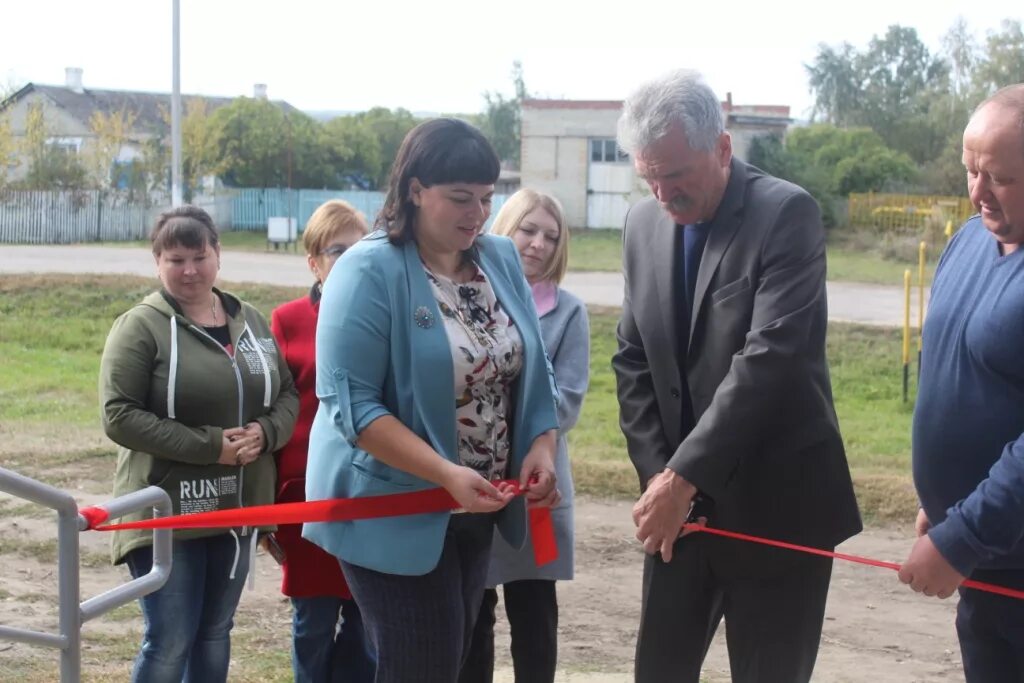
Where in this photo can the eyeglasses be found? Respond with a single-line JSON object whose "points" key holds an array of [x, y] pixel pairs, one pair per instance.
{"points": [[334, 251]]}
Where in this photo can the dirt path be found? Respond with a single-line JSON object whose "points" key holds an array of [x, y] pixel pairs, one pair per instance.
{"points": [[876, 631]]}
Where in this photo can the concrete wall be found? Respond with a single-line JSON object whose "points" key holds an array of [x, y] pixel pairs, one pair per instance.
{"points": [[555, 153], [743, 135]]}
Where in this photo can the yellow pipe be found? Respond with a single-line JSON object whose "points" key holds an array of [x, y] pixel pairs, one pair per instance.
{"points": [[906, 316], [922, 255]]}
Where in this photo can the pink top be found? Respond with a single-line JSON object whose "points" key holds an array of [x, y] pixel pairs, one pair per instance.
{"points": [[545, 296]]}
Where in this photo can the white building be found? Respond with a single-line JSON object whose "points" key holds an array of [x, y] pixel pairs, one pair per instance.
{"points": [[569, 151]]}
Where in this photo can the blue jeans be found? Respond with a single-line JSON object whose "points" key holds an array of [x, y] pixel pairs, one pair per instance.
{"points": [[324, 651], [189, 620]]}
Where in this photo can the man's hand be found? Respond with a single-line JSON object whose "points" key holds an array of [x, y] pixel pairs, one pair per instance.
{"points": [[921, 524], [927, 571], [661, 511]]}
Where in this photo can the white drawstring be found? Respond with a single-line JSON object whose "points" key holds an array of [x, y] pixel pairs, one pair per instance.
{"points": [[238, 552], [172, 373], [252, 559]]}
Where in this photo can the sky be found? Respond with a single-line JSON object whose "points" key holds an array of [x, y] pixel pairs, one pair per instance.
{"points": [[442, 55]]}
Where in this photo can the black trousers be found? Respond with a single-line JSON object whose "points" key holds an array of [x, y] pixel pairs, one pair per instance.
{"points": [[421, 626], [991, 630], [773, 602], [532, 610]]}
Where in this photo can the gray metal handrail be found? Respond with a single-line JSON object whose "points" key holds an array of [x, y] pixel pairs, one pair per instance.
{"points": [[71, 614]]}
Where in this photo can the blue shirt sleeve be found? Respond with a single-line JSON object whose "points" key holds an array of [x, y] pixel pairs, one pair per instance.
{"points": [[353, 344]]}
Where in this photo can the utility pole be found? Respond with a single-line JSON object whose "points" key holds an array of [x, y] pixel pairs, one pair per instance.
{"points": [[176, 193]]}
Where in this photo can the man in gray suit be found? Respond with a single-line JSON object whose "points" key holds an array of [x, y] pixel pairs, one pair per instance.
{"points": [[724, 396]]}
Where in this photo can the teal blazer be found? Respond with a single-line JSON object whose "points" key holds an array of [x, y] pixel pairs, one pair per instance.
{"points": [[381, 349]]}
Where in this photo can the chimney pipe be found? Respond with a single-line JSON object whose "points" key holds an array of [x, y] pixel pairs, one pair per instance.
{"points": [[73, 79]]}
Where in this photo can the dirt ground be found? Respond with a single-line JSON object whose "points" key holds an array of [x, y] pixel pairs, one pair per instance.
{"points": [[876, 631]]}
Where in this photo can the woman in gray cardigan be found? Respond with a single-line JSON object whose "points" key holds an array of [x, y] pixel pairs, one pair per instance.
{"points": [[535, 223]]}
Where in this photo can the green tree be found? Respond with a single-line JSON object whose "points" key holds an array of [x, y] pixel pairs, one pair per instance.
{"points": [[835, 81], [831, 162], [258, 144], [501, 118], [768, 154], [110, 132], [198, 159], [891, 86], [1002, 63], [8, 149], [390, 128], [50, 166], [960, 50], [353, 152]]}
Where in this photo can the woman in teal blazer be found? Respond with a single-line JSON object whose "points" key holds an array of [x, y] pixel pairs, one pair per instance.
{"points": [[431, 372]]}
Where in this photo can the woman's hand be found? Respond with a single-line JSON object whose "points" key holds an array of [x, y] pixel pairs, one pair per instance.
{"points": [[537, 475], [238, 447], [256, 429], [473, 492]]}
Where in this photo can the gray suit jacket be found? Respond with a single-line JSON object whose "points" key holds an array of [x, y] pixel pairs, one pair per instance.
{"points": [[766, 446]]}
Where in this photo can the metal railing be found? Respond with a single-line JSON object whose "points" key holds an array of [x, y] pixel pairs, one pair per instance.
{"points": [[71, 614]]}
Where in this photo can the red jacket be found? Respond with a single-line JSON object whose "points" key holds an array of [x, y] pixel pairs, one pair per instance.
{"points": [[308, 570]]}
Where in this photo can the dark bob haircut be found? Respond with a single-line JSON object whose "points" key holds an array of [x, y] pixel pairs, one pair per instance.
{"points": [[436, 152], [185, 226]]}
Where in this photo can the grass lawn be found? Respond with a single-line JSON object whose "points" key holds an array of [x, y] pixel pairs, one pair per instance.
{"points": [[55, 326], [849, 260], [596, 250], [847, 264], [240, 240]]}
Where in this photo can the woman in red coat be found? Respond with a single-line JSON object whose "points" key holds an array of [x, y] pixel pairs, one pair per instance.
{"points": [[321, 652]]}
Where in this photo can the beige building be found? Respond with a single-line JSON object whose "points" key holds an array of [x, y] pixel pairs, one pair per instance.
{"points": [[67, 111], [569, 151]]}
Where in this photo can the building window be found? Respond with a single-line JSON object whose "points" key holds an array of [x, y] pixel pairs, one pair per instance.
{"points": [[69, 146], [606, 150]]}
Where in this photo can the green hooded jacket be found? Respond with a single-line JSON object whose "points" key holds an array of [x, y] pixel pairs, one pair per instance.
{"points": [[167, 392]]}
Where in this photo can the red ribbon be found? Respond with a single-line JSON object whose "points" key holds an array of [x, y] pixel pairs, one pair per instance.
{"points": [[542, 530], [968, 583]]}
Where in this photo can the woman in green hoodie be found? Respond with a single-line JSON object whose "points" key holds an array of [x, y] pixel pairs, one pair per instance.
{"points": [[196, 393]]}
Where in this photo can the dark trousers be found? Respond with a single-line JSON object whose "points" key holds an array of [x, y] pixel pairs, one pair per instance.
{"points": [[420, 626], [773, 602], [532, 610], [991, 630]]}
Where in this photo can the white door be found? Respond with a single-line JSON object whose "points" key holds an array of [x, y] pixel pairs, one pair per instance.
{"points": [[609, 183]]}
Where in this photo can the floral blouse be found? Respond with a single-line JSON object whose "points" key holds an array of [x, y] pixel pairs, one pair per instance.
{"points": [[487, 356]]}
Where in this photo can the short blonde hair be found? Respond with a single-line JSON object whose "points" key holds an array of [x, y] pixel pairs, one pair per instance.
{"points": [[332, 218], [515, 209]]}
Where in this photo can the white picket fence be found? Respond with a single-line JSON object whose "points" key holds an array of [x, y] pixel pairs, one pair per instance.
{"points": [[70, 216], [89, 216]]}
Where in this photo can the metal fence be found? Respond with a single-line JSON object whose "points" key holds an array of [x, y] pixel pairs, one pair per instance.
{"points": [[67, 217], [63, 217], [251, 207], [907, 213], [72, 614]]}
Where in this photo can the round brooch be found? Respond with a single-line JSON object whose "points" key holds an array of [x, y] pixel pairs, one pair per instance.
{"points": [[424, 317]]}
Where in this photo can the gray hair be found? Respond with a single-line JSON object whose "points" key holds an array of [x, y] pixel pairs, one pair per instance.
{"points": [[679, 97]]}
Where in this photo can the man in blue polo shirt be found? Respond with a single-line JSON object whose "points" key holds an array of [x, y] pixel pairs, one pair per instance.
{"points": [[968, 437]]}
